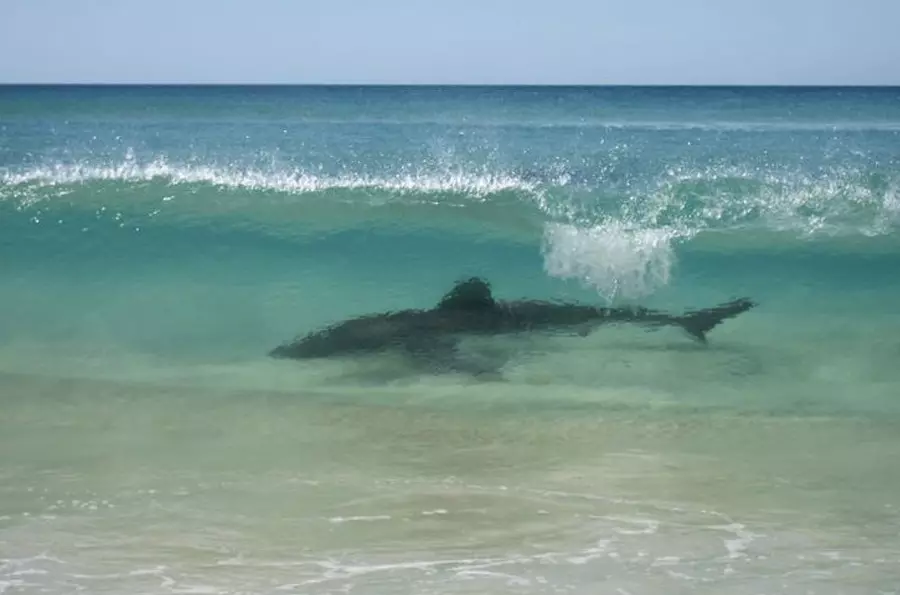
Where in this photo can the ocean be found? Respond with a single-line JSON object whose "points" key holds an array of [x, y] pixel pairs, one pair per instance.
{"points": [[157, 242]]}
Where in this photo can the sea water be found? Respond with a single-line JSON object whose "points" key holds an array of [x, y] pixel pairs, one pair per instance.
{"points": [[157, 242]]}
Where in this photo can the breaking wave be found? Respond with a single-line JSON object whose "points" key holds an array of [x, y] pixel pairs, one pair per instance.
{"points": [[620, 239]]}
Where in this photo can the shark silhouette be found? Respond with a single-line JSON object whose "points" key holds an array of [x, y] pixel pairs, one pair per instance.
{"points": [[469, 308]]}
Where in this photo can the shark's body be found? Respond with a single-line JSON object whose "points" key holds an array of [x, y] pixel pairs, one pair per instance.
{"points": [[470, 309]]}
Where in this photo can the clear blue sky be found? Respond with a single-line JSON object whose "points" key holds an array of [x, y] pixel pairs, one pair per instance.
{"points": [[459, 41]]}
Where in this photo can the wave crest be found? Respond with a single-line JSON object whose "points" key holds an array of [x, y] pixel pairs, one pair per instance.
{"points": [[614, 232], [292, 181]]}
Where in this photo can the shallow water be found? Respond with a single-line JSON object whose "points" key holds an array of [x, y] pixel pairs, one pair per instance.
{"points": [[155, 243], [122, 487]]}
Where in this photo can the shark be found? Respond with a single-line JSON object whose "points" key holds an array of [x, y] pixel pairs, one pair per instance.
{"points": [[469, 308]]}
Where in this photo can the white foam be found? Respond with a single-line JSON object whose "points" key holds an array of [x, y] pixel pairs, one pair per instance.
{"points": [[737, 547], [510, 579], [7, 585], [477, 184], [349, 519], [837, 201], [617, 260], [29, 572], [647, 526], [593, 553], [198, 590]]}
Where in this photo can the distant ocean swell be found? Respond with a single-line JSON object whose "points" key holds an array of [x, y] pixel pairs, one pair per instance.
{"points": [[616, 236]]}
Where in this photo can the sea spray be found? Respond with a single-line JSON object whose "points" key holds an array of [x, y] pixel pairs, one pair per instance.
{"points": [[618, 261]]}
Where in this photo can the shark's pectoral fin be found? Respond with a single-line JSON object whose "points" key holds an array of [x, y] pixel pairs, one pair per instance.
{"points": [[442, 355]]}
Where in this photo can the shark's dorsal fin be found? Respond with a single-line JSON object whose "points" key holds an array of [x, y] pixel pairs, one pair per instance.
{"points": [[469, 294]]}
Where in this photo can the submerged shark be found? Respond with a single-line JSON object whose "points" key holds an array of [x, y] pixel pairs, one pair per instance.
{"points": [[470, 309]]}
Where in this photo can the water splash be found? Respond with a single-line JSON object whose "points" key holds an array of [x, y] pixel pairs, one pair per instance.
{"points": [[617, 261]]}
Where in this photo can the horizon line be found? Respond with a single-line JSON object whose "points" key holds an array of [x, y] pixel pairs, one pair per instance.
{"points": [[433, 85]]}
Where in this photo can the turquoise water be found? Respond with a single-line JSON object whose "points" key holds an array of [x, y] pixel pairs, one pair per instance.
{"points": [[156, 242]]}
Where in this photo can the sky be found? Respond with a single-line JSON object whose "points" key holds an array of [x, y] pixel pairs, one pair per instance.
{"points": [[689, 42]]}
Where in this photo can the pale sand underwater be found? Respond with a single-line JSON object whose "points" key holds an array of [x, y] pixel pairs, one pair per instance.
{"points": [[268, 476]]}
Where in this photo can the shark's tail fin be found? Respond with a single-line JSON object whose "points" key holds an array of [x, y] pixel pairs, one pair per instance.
{"points": [[700, 322]]}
